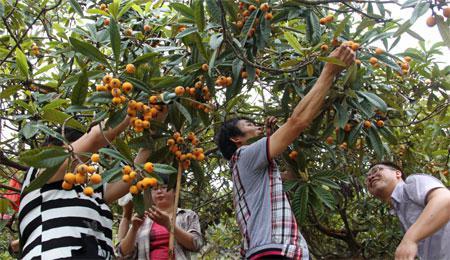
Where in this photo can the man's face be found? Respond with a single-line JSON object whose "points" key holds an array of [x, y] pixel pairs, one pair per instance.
{"points": [[249, 129], [381, 180]]}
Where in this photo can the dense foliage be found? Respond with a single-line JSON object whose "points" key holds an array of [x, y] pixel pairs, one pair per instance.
{"points": [[231, 58]]}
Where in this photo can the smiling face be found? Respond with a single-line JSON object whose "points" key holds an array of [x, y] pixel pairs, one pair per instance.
{"points": [[249, 130], [381, 181]]}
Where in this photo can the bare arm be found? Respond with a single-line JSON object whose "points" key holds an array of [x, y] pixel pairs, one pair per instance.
{"points": [[308, 108], [435, 215], [127, 244], [125, 221], [91, 142], [119, 188]]}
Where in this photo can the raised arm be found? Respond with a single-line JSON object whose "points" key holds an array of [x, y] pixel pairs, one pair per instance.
{"points": [[308, 108], [91, 142], [435, 215]]}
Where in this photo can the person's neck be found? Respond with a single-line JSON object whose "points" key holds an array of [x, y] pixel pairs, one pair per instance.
{"points": [[388, 198], [167, 209]]}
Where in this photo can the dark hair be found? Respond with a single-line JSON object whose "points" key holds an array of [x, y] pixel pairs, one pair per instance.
{"points": [[390, 164], [168, 179], [71, 134], [229, 130]]}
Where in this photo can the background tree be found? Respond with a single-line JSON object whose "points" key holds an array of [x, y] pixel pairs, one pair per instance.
{"points": [[209, 60]]}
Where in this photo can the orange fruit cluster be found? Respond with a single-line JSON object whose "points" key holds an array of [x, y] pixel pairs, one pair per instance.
{"points": [[200, 93], [244, 12], [116, 88], [244, 74], [140, 114], [185, 149], [327, 19], [129, 175], [224, 81], [84, 174], [404, 65]]}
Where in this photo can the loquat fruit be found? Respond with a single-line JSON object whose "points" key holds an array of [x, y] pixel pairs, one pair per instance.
{"points": [[148, 167], [95, 178], [179, 91], [67, 186], [130, 68], [70, 178], [88, 191]]}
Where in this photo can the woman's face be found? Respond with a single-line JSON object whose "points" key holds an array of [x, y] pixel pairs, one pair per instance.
{"points": [[162, 197]]}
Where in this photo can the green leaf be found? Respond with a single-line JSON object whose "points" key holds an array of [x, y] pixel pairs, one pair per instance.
{"points": [[138, 202], [88, 50], [46, 130], [332, 60], [374, 99], [116, 117], [313, 30], [79, 91], [183, 9], [164, 168], [213, 10], [114, 8], [115, 154], [293, 42], [300, 203], [247, 26], [9, 91], [76, 6], [325, 196], [420, 9], [199, 44], [415, 35], [444, 30], [42, 179], [123, 148], [183, 111], [100, 97], [29, 130], [186, 32], [375, 142], [114, 36], [199, 15], [56, 116], [403, 28], [145, 58], [340, 28], [57, 103], [125, 9], [28, 107], [21, 61], [47, 157], [45, 69]]}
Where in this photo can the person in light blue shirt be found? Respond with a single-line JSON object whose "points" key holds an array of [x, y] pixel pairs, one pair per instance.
{"points": [[422, 204]]}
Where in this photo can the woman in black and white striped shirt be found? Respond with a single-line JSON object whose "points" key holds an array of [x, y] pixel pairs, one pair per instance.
{"points": [[55, 223]]}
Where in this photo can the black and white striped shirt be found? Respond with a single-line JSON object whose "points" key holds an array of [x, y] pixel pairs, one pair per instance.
{"points": [[55, 223]]}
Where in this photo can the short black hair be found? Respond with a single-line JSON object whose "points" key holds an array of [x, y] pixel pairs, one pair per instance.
{"points": [[71, 135], [390, 164], [229, 130]]}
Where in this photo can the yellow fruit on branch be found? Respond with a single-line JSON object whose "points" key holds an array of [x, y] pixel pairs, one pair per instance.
{"points": [[130, 69]]}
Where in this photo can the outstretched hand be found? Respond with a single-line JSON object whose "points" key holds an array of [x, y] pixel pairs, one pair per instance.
{"points": [[343, 53], [158, 216], [136, 221]]}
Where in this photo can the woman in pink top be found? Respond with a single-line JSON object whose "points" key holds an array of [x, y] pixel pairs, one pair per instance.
{"points": [[148, 237]]}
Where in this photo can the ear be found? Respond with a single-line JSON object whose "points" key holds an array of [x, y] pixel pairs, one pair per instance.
{"points": [[236, 140], [398, 174]]}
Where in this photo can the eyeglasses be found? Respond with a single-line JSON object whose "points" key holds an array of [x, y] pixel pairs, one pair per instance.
{"points": [[376, 169]]}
